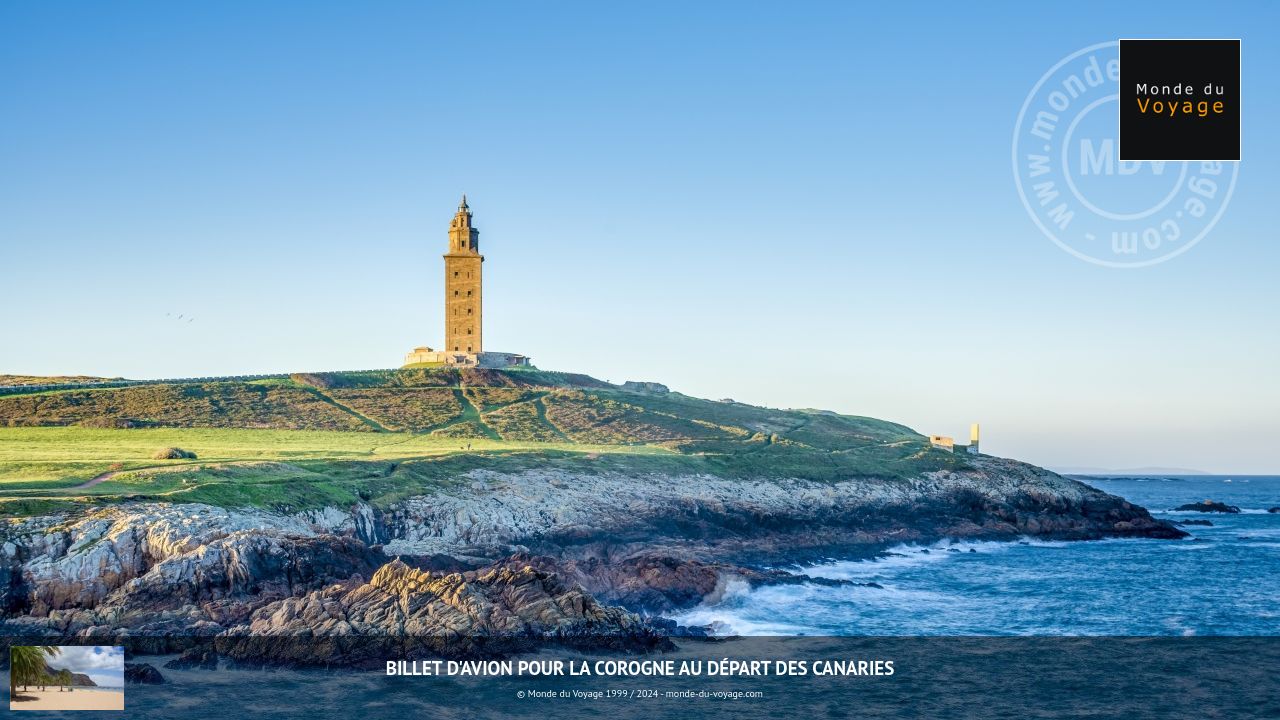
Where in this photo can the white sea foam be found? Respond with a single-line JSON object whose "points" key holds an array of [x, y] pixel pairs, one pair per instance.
{"points": [[911, 555], [1243, 511]]}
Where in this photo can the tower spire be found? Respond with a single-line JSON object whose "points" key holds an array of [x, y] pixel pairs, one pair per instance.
{"points": [[462, 218]]}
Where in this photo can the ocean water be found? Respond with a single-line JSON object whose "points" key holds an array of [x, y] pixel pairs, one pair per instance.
{"points": [[1224, 580]]}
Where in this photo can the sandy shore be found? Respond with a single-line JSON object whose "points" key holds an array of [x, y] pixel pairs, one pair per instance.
{"points": [[78, 699]]}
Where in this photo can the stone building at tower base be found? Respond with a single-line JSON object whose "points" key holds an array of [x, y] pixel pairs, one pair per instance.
{"points": [[425, 356]]}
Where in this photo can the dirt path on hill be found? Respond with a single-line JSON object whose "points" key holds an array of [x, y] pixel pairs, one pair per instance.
{"points": [[324, 397], [107, 476]]}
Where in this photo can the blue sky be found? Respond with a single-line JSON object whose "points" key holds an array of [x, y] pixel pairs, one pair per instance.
{"points": [[788, 204]]}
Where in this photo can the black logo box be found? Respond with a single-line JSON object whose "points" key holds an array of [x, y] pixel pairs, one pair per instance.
{"points": [[1187, 68]]}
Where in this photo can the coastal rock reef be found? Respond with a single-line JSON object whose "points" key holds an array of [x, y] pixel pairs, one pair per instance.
{"points": [[500, 562]]}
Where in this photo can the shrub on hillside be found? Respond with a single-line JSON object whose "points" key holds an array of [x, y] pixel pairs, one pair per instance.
{"points": [[322, 381], [220, 404], [174, 453]]}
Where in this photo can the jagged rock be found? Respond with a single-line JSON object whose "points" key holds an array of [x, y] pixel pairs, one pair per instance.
{"points": [[767, 521], [659, 584], [1208, 506], [171, 569], [494, 610], [200, 656], [1204, 523], [650, 582], [142, 674]]}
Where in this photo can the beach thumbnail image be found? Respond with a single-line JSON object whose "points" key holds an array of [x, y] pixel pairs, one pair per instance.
{"points": [[66, 677]]}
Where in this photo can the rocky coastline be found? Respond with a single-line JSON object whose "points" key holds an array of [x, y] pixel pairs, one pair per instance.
{"points": [[502, 563]]}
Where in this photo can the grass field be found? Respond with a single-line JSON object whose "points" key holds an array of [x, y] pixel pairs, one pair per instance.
{"points": [[334, 438], [50, 463]]}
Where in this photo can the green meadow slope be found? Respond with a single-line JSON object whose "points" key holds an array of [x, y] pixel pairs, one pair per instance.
{"points": [[318, 439], [7, 380]]}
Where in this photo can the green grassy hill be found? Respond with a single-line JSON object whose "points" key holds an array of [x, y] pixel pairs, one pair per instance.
{"points": [[315, 439], [6, 380]]}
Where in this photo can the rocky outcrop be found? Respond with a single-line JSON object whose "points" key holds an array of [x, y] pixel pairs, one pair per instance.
{"points": [[743, 521], [659, 584], [649, 582], [499, 609], [161, 568], [1208, 506], [646, 386], [142, 674], [200, 656], [529, 556]]}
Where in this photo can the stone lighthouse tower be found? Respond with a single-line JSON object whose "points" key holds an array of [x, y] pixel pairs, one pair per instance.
{"points": [[463, 305], [463, 309]]}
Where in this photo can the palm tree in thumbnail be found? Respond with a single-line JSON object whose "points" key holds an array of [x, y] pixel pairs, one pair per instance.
{"points": [[27, 665]]}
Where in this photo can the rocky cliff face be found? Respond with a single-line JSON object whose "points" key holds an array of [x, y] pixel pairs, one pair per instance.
{"points": [[77, 679], [166, 568], [766, 521], [535, 550]]}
